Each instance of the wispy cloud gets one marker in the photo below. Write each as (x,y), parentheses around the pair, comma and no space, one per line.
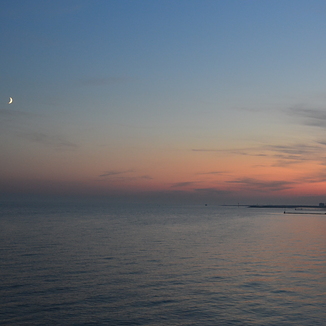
(262,185)
(182,184)
(53,141)
(146,177)
(9,113)
(114,173)
(281,155)
(236,151)
(312,177)
(31,128)
(309,117)
(296,153)
(13,120)
(207,150)
(123,176)
(211,173)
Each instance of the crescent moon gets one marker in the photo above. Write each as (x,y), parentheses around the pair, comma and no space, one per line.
(10,100)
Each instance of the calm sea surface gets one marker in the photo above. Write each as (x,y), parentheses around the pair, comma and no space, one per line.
(97,264)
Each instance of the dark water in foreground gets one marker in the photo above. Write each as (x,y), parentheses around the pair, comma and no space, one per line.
(170,265)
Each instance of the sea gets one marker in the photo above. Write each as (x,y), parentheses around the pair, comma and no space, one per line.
(91,263)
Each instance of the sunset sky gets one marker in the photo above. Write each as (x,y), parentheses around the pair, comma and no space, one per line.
(192,101)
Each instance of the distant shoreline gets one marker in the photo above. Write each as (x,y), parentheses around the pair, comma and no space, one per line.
(280,206)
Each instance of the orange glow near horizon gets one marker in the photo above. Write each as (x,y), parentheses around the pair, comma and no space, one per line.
(180,171)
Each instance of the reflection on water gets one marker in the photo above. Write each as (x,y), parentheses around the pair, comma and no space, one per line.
(138,265)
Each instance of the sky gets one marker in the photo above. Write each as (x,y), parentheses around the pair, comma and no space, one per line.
(194,101)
